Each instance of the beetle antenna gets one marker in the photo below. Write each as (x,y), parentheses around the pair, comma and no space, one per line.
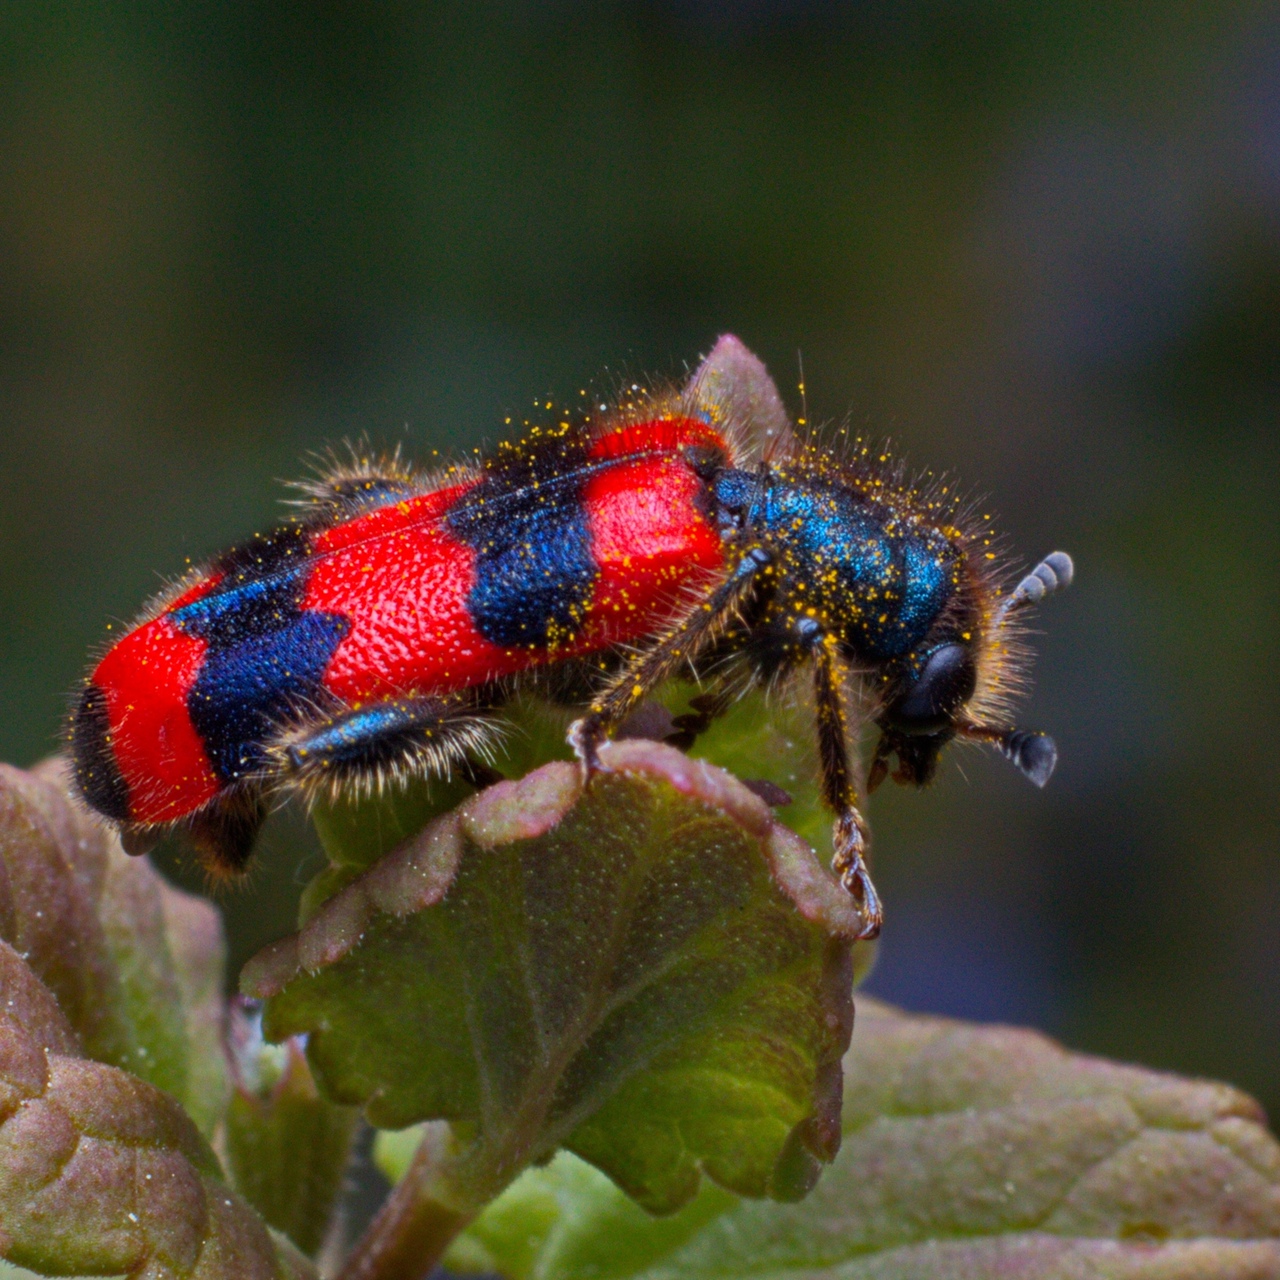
(1053,573)
(1033,754)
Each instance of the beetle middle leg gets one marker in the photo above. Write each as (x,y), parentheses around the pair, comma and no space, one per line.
(682,644)
(851,836)
(425,735)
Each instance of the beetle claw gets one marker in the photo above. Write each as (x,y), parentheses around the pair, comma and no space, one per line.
(850,865)
(585,737)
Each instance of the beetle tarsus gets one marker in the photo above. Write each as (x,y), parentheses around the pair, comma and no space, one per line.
(585,737)
(849,864)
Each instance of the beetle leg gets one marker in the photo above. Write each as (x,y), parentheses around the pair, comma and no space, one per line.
(658,662)
(225,830)
(380,741)
(358,484)
(851,836)
(704,711)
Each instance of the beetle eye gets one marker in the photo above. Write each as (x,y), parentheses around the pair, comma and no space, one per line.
(946,683)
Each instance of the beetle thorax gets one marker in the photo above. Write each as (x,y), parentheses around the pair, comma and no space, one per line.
(863,568)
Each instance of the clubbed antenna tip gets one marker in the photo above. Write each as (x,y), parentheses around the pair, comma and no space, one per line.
(1034,754)
(1054,573)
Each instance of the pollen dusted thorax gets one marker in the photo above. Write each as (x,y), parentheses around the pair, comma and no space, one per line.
(377,635)
(854,553)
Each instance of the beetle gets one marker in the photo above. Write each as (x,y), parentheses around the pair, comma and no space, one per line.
(377,634)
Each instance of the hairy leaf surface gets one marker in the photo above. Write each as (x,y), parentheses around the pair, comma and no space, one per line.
(652,973)
(286,1146)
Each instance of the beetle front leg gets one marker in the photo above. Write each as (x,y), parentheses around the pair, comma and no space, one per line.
(683,643)
(851,836)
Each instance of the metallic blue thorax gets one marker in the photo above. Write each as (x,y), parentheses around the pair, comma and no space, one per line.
(884,575)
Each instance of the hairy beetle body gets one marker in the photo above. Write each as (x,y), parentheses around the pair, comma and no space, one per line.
(379,632)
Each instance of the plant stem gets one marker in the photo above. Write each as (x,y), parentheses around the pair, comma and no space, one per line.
(412,1230)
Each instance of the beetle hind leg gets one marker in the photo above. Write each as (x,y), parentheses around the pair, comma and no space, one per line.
(225,831)
(349,487)
(368,747)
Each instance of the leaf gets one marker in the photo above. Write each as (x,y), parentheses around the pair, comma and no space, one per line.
(193,931)
(356,831)
(968,1152)
(776,744)
(9,1272)
(733,388)
(102,1173)
(564,1219)
(286,1146)
(135,965)
(774,741)
(654,974)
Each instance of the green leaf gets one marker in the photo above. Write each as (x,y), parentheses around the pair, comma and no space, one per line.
(104,1174)
(968,1152)
(9,1272)
(286,1146)
(565,1219)
(357,830)
(654,974)
(193,934)
(774,743)
(135,965)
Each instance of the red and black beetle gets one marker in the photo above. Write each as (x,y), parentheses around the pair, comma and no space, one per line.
(377,634)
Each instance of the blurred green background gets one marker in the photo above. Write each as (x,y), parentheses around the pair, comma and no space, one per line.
(1035,244)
